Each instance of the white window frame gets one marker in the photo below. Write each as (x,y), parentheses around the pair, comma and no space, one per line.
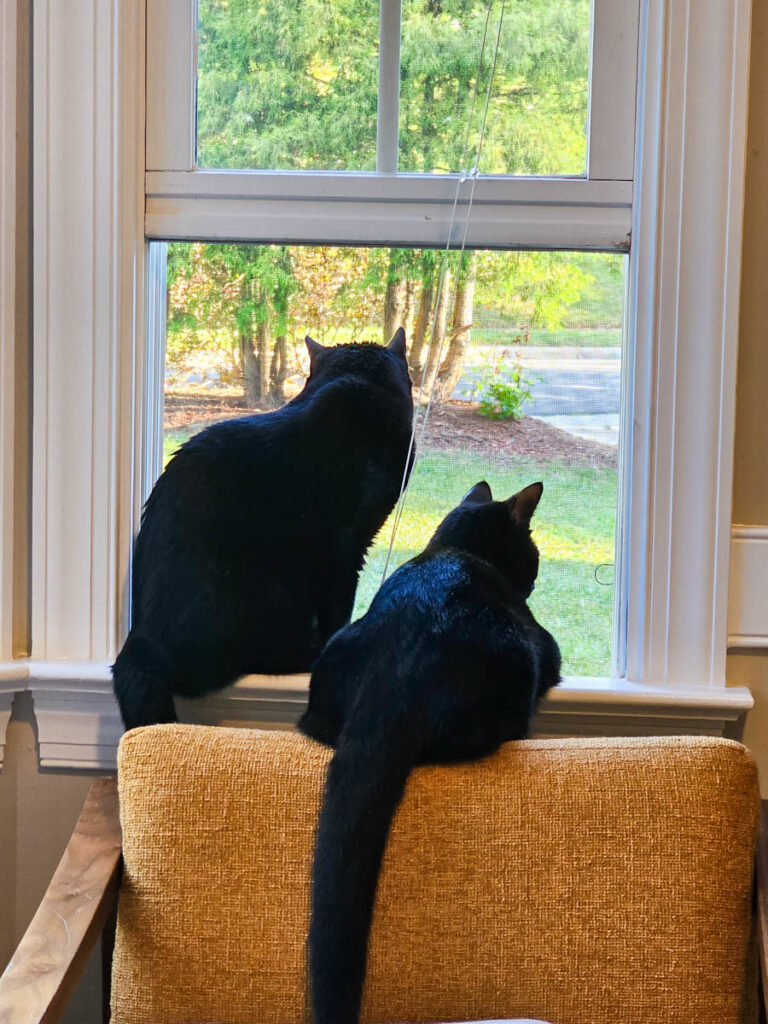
(8,679)
(384,207)
(7,313)
(92,283)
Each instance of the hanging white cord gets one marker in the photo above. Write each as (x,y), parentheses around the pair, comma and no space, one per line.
(462,178)
(406,480)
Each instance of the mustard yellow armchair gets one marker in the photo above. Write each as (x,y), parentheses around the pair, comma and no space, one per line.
(596,881)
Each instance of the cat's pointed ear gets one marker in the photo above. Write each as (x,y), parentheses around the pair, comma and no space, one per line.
(523,504)
(397,343)
(314,348)
(479,495)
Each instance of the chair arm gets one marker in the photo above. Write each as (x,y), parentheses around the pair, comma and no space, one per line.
(51,956)
(761,871)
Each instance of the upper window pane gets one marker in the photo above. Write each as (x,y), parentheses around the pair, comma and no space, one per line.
(292,85)
(537,112)
(287,85)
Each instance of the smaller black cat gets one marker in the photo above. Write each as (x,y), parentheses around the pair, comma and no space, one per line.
(252,539)
(447,665)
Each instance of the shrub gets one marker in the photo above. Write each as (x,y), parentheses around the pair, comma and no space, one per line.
(504,399)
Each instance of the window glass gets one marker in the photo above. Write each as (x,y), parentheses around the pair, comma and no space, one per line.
(287,85)
(537,111)
(526,387)
(292,85)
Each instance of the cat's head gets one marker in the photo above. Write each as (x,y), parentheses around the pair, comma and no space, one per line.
(383,365)
(497,531)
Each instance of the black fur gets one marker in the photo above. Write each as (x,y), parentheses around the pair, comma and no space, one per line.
(252,539)
(447,665)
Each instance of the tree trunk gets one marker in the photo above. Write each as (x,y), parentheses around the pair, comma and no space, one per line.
(262,343)
(438,334)
(394,306)
(408,308)
(394,298)
(250,368)
(420,327)
(453,365)
(278,371)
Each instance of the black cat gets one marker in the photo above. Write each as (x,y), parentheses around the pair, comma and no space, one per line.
(447,665)
(252,539)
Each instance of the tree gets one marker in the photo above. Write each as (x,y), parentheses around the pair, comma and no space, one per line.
(292,84)
(239,293)
(463,312)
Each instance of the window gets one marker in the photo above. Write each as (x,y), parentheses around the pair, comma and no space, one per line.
(475,124)
(520,358)
(100,190)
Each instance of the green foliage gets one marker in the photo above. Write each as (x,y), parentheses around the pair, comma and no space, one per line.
(287,84)
(538,103)
(504,400)
(292,84)
(532,289)
(502,387)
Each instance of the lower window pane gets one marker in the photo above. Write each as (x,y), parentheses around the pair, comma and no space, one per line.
(519,355)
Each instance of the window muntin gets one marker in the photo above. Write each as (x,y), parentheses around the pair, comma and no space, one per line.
(554,318)
(286,86)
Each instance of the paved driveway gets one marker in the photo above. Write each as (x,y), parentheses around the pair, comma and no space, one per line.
(561,384)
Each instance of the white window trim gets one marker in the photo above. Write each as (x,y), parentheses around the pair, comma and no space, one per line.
(89,462)
(78,724)
(7,315)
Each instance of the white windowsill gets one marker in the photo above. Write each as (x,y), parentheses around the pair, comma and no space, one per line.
(79,726)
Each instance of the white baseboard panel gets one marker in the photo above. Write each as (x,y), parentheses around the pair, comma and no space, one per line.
(748,591)
(78,722)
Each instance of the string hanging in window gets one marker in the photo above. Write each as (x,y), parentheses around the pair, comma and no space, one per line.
(469,170)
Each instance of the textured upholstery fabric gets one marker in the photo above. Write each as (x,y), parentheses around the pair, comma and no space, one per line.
(597,881)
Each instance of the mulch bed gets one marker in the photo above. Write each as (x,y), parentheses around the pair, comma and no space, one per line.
(459,425)
(452,426)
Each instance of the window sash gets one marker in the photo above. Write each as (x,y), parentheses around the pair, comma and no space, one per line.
(171,117)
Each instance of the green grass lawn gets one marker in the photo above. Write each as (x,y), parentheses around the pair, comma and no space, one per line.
(600,337)
(573,527)
(173,439)
(501,332)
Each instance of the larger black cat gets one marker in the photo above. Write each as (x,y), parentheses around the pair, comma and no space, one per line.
(252,539)
(447,664)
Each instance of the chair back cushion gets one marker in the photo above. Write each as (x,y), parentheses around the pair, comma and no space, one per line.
(579,881)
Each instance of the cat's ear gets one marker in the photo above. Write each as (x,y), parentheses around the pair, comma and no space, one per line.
(479,495)
(397,344)
(314,348)
(523,504)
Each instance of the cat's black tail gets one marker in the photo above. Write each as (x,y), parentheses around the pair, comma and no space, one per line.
(141,685)
(366,778)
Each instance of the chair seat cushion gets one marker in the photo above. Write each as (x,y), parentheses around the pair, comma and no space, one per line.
(590,881)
